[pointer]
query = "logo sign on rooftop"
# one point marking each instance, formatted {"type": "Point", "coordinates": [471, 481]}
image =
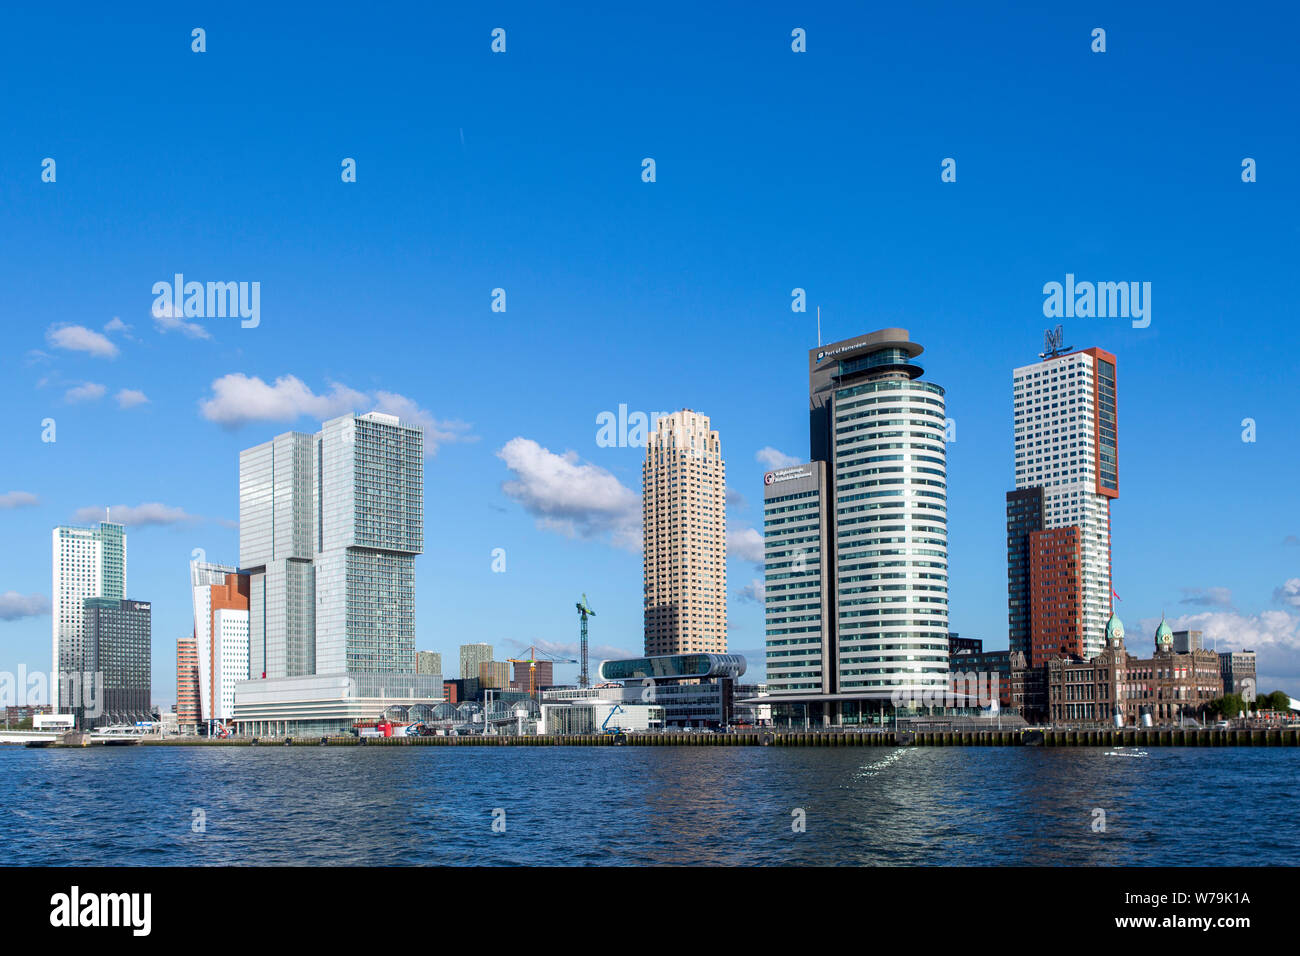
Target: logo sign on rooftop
{"type": "Point", "coordinates": [787, 474]}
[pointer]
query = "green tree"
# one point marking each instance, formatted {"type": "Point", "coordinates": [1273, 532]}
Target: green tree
{"type": "Point", "coordinates": [1278, 700]}
{"type": "Point", "coordinates": [1229, 705]}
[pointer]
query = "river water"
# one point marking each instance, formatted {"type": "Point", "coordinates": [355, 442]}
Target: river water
{"type": "Point", "coordinates": [647, 806]}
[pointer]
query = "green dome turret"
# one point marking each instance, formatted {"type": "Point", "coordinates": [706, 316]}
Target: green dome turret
{"type": "Point", "coordinates": [1114, 631]}
{"type": "Point", "coordinates": [1164, 633]}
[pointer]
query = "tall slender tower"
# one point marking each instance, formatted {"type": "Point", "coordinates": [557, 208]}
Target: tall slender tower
{"type": "Point", "coordinates": [684, 492]}
{"type": "Point", "coordinates": [87, 563]}
{"type": "Point", "coordinates": [856, 541]}
{"type": "Point", "coordinates": [220, 596]}
{"type": "Point", "coordinates": [1058, 518]}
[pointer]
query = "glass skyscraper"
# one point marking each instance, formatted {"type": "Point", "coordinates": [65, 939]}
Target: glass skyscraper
{"type": "Point", "coordinates": [856, 541]}
{"type": "Point", "coordinates": [329, 527]}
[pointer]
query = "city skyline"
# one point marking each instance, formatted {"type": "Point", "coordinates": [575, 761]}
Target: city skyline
{"type": "Point", "coordinates": [379, 293]}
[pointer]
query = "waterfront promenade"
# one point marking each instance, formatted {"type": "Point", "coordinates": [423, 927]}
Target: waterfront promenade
{"type": "Point", "coordinates": [1140, 737]}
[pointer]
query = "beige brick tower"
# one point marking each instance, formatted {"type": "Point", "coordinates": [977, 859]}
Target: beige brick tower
{"type": "Point", "coordinates": [684, 484]}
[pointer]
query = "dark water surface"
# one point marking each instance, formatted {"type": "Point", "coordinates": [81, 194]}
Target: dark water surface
{"type": "Point", "coordinates": [642, 805]}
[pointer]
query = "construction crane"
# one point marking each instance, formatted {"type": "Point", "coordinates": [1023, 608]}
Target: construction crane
{"type": "Point", "coordinates": [584, 612]}
{"type": "Point", "coordinates": [531, 660]}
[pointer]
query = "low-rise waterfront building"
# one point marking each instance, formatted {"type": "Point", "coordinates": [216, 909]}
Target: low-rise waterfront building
{"type": "Point", "coordinates": [327, 704]}
{"type": "Point", "coordinates": [595, 715]}
{"type": "Point", "coordinates": [989, 670]}
{"type": "Point", "coordinates": [1118, 688]}
{"type": "Point", "coordinates": [693, 690]}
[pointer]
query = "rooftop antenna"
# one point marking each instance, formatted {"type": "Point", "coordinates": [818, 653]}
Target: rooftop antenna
{"type": "Point", "coordinates": [819, 326]}
{"type": "Point", "coordinates": [1052, 343]}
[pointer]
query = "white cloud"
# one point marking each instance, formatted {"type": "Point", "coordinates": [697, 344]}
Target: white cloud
{"type": "Point", "coordinates": [735, 499]}
{"type": "Point", "coordinates": [88, 392]}
{"type": "Point", "coordinates": [78, 338]}
{"type": "Point", "coordinates": [745, 543]}
{"type": "Point", "coordinates": [238, 399]}
{"type": "Point", "coordinates": [130, 397]}
{"type": "Point", "coordinates": [753, 592]}
{"type": "Point", "coordinates": [14, 605]}
{"type": "Point", "coordinates": [436, 432]}
{"type": "Point", "coordinates": [773, 458]}
{"type": "Point", "coordinates": [1207, 597]}
{"type": "Point", "coordinates": [116, 325]}
{"type": "Point", "coordinates": [1288, 593]}
{"type": "Point", "coordinates": [165, 321]}
{"type": "Point", "coordinates": [135, 516]}
{"type": "Point", "coordinates": [17, 499]}
{"type": "Point", "coordinates": [576, 499]}
{"type": "Point", "coordinates": [1273, 635]}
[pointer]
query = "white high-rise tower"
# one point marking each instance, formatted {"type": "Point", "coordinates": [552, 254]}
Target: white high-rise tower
{"type": "Point", "coordinates": [88, 563]}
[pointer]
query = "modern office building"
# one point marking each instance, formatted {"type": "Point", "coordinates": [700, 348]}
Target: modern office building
{"type": "Point", "coordinates": [684, 530]}
{"type": "Point", "coordinates": [428, 662]}
{"type": "Point", "coordinates": [977, 678]}
{"type": "Point", "coordinates": [856, 541]}
{"type": "Point", "coordinates": [1237, 670]}
{"type": "Point", "coordinates": [462, 689]}
{"type": "Point", "coordinates": [87, 563]}
{"type": "Point", "coordinates": [471, 656]}
{"type": "Point", "coordinates": [1024, 517]}
{"type": "Point", "coordinates": [494, 675]}
{"type": "Point", "coordinates": [221, 634]}
{"type": "Point", "coordinates": [187, 685]}
{"type": "Point", "coordinates": [798, 587]}
{"type": "Point", "coordinates": [541, 673]}
{"type": "Point", "coordinates": [1058, 518]}
{"type": "Point", "coordinates": [1187, 641]}
{"type": "Point", "coordinates": [118, 646]}
{"type": "Point", "coordinates": [330, 525]}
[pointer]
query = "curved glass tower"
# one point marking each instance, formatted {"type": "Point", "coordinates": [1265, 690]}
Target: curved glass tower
{"type": "Point", "coordinates": [881, 430]}
{"type": "Point", "coordinates": [875, 632]}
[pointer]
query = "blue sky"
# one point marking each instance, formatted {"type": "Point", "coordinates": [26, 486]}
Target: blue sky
{"type": "Point", "coordinates": [522, 171]}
